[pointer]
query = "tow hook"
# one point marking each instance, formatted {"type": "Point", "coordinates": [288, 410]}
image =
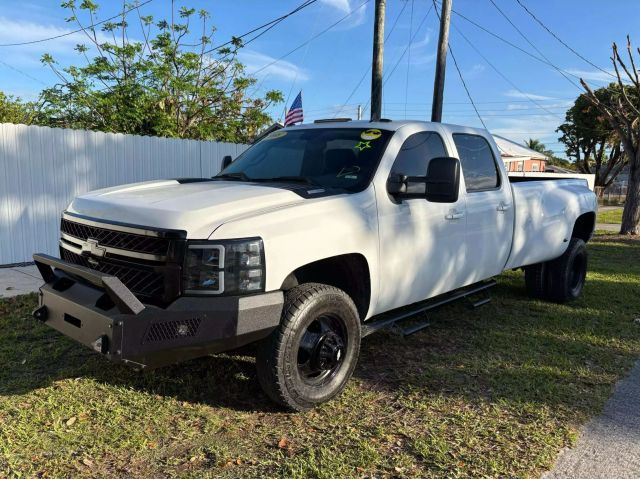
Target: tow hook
{"type": "Point", "coordinates": [41, 314]}
{"type": "Point", "coordinates": [101, 345]}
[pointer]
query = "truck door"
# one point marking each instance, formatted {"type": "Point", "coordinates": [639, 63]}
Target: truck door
{"type": "Point", "coordinates": [422, 247]}
{"type": "Point", "coordinates": [489, 208]}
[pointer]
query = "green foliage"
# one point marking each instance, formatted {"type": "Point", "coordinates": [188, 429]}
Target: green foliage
{"type": "Point", "coordinates": [590, 140]}
{"type": "Point", "coordinates": [14, 110]}
{"type": "Point", "coordinates": [162, 85]}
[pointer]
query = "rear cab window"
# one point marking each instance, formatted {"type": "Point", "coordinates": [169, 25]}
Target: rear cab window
{"type": "Point", "coordinates": [478, 162]}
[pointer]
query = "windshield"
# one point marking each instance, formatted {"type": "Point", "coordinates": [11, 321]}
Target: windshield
{"type": "Point", "coordinates": [343, 158]}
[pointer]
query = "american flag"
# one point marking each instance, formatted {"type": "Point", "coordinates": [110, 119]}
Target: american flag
{"type": "Point", "coordinates": [294, 115]}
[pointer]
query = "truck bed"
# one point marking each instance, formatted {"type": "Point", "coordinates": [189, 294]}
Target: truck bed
{"type": "Point", "coordinates": [523, 176]}
{"type": "Point", "coordinates": [545, 212]}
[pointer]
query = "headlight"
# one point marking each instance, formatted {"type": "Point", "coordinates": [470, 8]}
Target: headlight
{"type": "Point", "coordinates": [229, 267]}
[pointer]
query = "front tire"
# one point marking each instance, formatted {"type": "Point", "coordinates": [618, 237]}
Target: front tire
{"type": "Point", "coordinates": [310, 357]}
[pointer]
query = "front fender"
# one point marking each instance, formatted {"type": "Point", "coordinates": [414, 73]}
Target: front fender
{"type": "Point", "coordinates": [296, 235]}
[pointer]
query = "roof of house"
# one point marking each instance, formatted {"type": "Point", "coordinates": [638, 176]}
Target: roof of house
{"type": "Point", "coordinates": [512, 151]}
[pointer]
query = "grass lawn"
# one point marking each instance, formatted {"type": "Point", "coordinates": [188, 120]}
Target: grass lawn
{"type": "Point", "coordinates": [495, 392]}
{"type": "Point", "coordinates": [611, 216]}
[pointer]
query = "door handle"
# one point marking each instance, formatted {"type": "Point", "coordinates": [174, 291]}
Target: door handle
{"type": "Point", "coordinates": [453, 215]}
{"type": "Point", "coordinates": [503, 206]}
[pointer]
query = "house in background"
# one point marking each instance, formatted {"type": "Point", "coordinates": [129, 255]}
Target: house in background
{"type": "Point", "coordinates": [518, 157]}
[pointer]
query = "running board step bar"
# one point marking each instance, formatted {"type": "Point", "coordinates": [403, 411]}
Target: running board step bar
{"type": "Point", "coordinates": [389, 319]}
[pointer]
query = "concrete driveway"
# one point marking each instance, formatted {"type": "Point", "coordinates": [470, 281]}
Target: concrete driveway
{"type": "Point", "coordinates": [19, 280]}
{"type": "Point", "coordinates": [609, 445]}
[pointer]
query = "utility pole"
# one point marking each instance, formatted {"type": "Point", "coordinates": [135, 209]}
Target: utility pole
{"type": "Point", "coordinates": [441, 62]}
{"type": "Point", "coordinates": [359, 112]}
{"type": "Point", "coordinates": [378, 57]}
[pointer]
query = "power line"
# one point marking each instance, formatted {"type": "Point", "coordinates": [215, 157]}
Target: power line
{"type": "Point", "coordinates": [295, 79]}
{"type": "Point", "coordinates": [393, 27]}
{"type": "Point", "coordinates": [311, 39]}
{"type": "Point", "coordinates": [424, 19]}
{"type": "Point", "coordinates": [22, 73]}
{"type": "Point", "coordinates": [532, 45]}
{"type": "Point", "coordinates": [511, 44]}
{"type": "Point", "coordinates": [406, 86]}
{"type": "Point", "coordinates": [562, 41]}
{"type": "Point", "coordinates": [384, 82]}
{"type": "Point", "coordinates": [464, 84]}
{"type": "Point", "coordinates": [485, 102]}
{"type": "Point", "coordinates": [502, 75]}
{"type": "Point", "coordinates": [269, 25]}
{"type": "Point", "coordinates": [484, 114]}
{"type": "Point", "coordinates": [78, 30]}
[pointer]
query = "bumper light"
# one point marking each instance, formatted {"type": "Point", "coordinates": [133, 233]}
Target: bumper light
{"type": "Point", "coordinates": [228, 267]}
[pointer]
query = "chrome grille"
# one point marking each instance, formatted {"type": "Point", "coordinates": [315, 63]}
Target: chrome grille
{"type": "Point", "coordinates": [147, 261]}
{"type": "Point", "coordinates": [116, 239]}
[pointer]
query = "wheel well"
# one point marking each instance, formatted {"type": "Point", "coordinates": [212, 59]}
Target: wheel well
{"type": "Point", "coordinates": [583, 227]}
{"type": "Point", "coordinates": [349, 272]}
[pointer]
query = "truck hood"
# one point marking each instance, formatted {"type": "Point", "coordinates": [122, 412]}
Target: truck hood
{"type": "Point", "coordinates": [196, 207]}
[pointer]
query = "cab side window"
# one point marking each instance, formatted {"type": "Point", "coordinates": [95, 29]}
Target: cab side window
{"type": "Point", "coordinates": [477, 161]}
{"type": "Point", "coordinates": [416, 153]}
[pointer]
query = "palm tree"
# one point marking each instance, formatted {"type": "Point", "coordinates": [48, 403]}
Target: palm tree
{"type": "Point", "coordinates": [536, 145]}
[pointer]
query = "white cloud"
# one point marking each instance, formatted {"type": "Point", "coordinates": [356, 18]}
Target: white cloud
{"type": "Point", "coordinates": [282, 69]}
{"type": "Point", "coordinates": [421, 51]}
{"type": "Point", "coordinates": [475, 70]}
{"type": "Point", "coordinates": [536, 106]}
{"type": "Point", "coordinates": [19, 31]}
{"type": "Point", "coordinates": [527, 96]}
{"type": "Point", "coordinates": [426, 41]}
{"type": "Point", "coordinates": [343, 7]}
{"type": "Point", "coordinates": [593, 75]}
{"type": "Point", "coordinates": [541, 127]}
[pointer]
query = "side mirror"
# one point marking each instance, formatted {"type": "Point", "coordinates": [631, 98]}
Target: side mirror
{"type": "Point", "coordinates": [443, 180]}
{"type": "Point", "coordinates": [441, 184]}
{"type": "Point", "coordinates": [226, 161]}
{"type": "Point", "coordinates": [397, 184]}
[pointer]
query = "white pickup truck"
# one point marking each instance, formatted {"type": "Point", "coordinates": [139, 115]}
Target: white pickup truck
{"type": "Point", "coordinates": [314, 237]}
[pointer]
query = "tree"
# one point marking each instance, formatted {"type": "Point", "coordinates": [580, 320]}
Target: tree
{"type": "Point", "coordinates": [165, 84]}
{"type": "Point", "coordinates": [14, 110]}
{"type": "Point", "coordinates": [622, 112]}
{"type": "Point", "coordinates": [552, 159]}
{"type": "Point", "coordinates": [591, 141]}
{"type": "Point", "coordinates": [535, 144]}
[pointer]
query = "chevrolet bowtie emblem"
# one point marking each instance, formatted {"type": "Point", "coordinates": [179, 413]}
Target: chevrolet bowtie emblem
{"type": "Point", "coordinates": [92, 248]}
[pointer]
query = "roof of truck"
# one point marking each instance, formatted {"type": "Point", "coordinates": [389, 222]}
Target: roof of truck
{"type": "Point", "coordinates": [382, 125]}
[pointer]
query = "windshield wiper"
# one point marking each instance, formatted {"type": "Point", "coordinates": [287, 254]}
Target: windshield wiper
{"type": "Point", "coordinates": [239, 176]}
{"type": "Point", "coordinates": [289, 179]}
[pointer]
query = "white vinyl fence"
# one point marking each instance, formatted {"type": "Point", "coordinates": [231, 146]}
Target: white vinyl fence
{"type": "Point", "coordinates": [43, 169]}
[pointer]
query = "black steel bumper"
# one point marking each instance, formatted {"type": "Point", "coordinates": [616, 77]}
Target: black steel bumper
{"type": "Point", "coordinates": [98, 311]}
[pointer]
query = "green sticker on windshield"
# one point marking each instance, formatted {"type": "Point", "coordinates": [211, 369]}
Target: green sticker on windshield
{"type": "Point", "coordinates": [363, 145]}
{"type": "Point", "coordinates": [276, 134]}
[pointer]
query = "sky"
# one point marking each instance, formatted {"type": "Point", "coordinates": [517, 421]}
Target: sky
{"type": "Point", "coordinates": [516, 95]}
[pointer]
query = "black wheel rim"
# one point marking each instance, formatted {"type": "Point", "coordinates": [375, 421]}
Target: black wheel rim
{"type": "Point", "coordinates": [322, 350]}
{"type": "Point", "coordinates": [578, 273]}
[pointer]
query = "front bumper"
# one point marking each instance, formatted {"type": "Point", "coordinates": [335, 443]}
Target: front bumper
{"type": "Point", "coordinates": [98, 311]}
